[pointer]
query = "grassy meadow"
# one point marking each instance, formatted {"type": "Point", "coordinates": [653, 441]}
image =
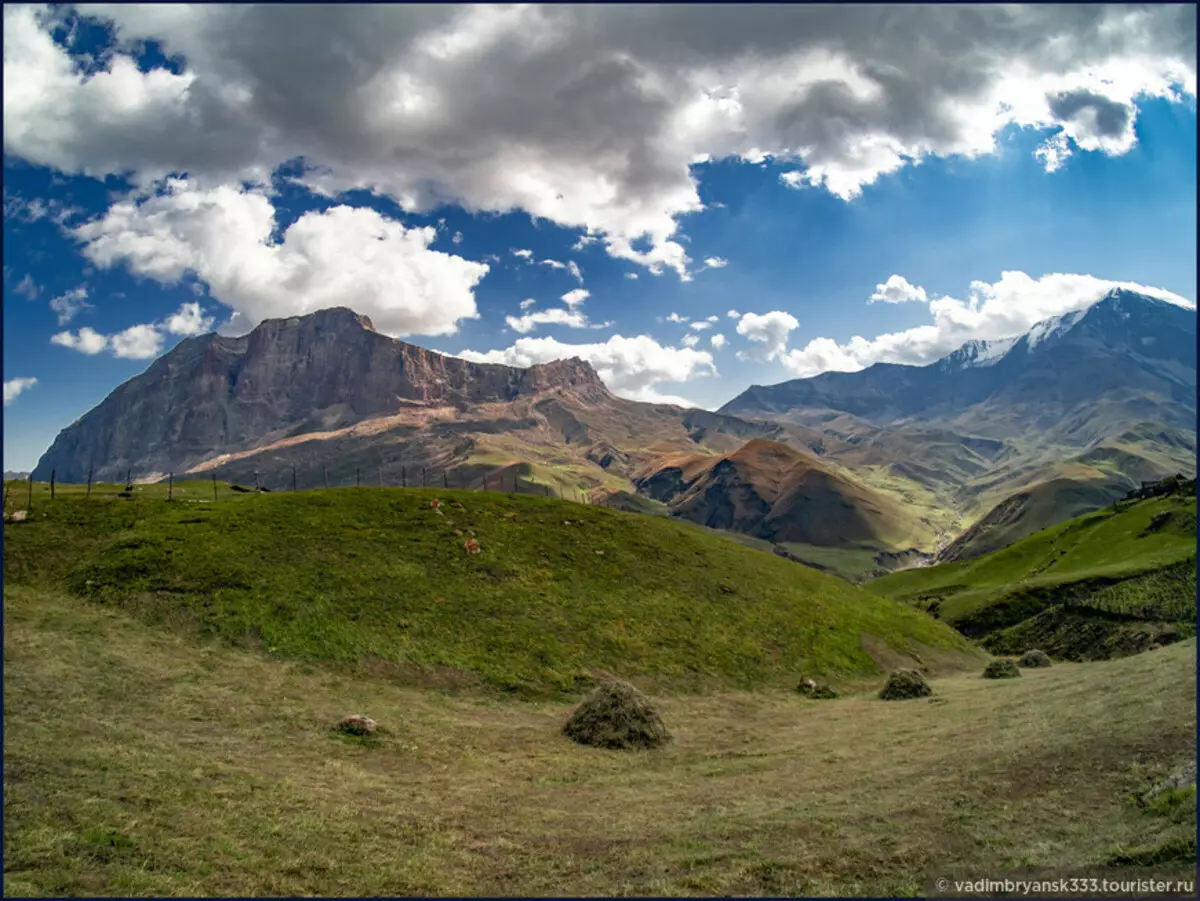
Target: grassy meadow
{"type": "Point", "coordinates": [173, 672]}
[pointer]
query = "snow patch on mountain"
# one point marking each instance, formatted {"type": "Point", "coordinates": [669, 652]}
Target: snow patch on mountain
{"type": "Point", "coordinates": [977, 354]}
{"type": "Point", "coordinates": [1052, 328]}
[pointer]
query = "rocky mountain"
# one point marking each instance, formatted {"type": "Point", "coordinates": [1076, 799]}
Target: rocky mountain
{"type": "Point", "coordinates": [328, 391]}
{"type": "Point", "coordinates": [1019, 433]}
{"type": "Point", "coordinates": [1129, 350]}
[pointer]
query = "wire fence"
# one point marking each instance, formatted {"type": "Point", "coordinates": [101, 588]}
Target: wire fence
{"type": "Point", "coordinates": [508, 480]}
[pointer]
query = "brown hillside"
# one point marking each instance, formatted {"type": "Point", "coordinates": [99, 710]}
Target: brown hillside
{"type": "Point", "coordinates": [776, 492]}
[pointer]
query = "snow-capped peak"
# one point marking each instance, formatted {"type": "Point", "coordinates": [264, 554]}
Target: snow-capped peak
{"type": "Point", "coordinates": [1050, 328]}
{"type": "Point", "coordinates": [977, 353]}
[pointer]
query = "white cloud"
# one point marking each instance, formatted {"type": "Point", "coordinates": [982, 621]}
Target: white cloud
{"type": "Point", "coordinates": [458, 238]}
{"type": "Point", "coordinates": [70, 304]}
{"type": "Point", "coordinates": [771, 330]}
{"type": "Point", "coordinates": [675, 317]}
{"type": "Point", "coordinates": [556, 316]}
{"type": "Point", "coordinates": [713, 318]}
{"type": "Point", "coordinates": [584, 241]}
{"type": "Point", "coordinates": [87, 341]}
{"type": "Point", "coordinates": [689, 340]}
{"type": "Point", "coordinates": [631, 275]}
{"type": "Point", "coordinates": [344, 256]}
{"type": "Point", "coordinates": [15, 387]}
{"type": "Point", "coordinates": [554, 264]}
{"type": "Point", "coordinates": [526, 255]}
{"type": "Point", "coordinates": [527, 303]}
{"type": "Point", "coordinates": [734, 314]}
{"type": "Point", "coordinates": [138, 342]}
{"type": "Point", "coordinates": [630, 367]}
{"type": "Point", "coordinates": [188, 320]}
{"type": "Point", "coordinates": [1055, 152]}
{"type": "Point", "coordinates": [718, 341]}
{"type": "Point", "coordinates": [716, 263]}
{"type": "Point", "coordinates": [897, 290]}
{"type": "Point", "coordinates": [574, 298]}
{"type": "Point", "coordinates": [573, 268]}
{"type": "Point", "coordinates": [700, 325]}
{"type": "Point", "coordinates": [1002, 309]}
{"type": "Point", "coordinates": [586, 116]}
{"type": "Point", "coordinates": [28, 288]}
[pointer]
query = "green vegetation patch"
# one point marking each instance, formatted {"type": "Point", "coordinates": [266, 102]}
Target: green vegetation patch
{"type": "Point", "coordinates": [555, 592]}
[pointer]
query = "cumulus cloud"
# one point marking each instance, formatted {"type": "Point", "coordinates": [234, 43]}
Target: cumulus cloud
{"type": "Point", "coordinates": [138, 342]}
{"type": "Point", "coordinates": [15, 387]}
{"type": "Point", "coordinates": [70, 304]}
{"type": "Point", "coordinates": [188, 320]}
{"type": "Point", "coordinates": [527, 303]}
{"type": "Point", "coordinates": [458, 238]}
{"type": "Point", "coordinates": [689, 340]}
{"type": "Point", "coordinates": [717, 341]}
{"type": "Point", "coordinates": [898, 290]}
{"type": "Point", "coordinates": [675, 317]}
{"type": "Point", "coordinates": [526, 255]}
{"type": "Point", "coordinates": [630, 367]}
{"type": "Point", "coordinates": [555, 316]}
{"type": "Point", "coordinates": [1001, 309]}
{"type": "Point", "coordinates": [587, 116]}
{"type": "Point", "coordinates": [716, 263]}
{"type": "Point", "coordinates": [770, 330]}
{"type": "Point", "coordinates": [631, 275]}
{"type": "Point", "coordinates": [734, 314]}
{"type": "Point", "coordinates": [86, 341]}
{"type": "Point", "coordinates": [574, 298]}
{"type": "Point", "coordinates": [344, 256]}
{"type": "Point", "coordinates": [28, 288]}
{"type": "Point", "coordinates": [700, 325]}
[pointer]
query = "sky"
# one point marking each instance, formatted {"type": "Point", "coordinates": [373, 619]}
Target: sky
{"type": "Point", "coordinates": [693, 198]}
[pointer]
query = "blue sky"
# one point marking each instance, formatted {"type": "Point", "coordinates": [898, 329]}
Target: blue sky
{"type": "Point", "coordinates": [95, 239]}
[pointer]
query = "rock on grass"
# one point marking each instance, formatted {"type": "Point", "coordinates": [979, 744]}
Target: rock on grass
{"type": "Point", "coordinates": [616, 715]}
{"type": "Point", "coordinates": [810, 688]}
{"type": "Point", "coordinates": [904, 684]}
{"type": "Point", "coordinates": [357, 724]}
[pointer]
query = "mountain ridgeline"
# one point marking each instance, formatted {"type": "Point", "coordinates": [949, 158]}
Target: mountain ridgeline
{"type": "Point", "coordinates": [894, 463]}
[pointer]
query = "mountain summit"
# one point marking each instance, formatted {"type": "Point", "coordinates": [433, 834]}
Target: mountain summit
{"type": "Point", "coordinates": [330, 369]}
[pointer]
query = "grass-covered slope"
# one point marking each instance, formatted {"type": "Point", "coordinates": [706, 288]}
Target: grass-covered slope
{"type": "Point", "coordinates": [1068, 562]}
{"type": "Point", "coordinates": [141, 764]}
{"type": "Point", "coordinates": [558, 591]}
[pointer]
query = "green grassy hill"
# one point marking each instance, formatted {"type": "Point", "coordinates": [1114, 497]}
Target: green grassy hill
{"type": "Point", "coordinates": [1126, 561]}
{"type": "Point", "coordinates": [381, 578]}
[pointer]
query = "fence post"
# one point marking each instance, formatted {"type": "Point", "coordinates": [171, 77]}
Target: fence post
{"type": "Point", "coordinates": [89, 488]}
{"type": "Point", "coordinates": [424, 478]}
{"type": "Point", "coordinates": [30, 504]}
{"type": "Point", "coordinates": [325, 471]}
{"type": "Point", "coordinates": [293, 478]}
{"type": "Point", "coordinates": [214, 480]}
{"type": "Point", "coordinates": [446, 480]}
{"type": "Point", "coordinates": [52, 484]}
{"type": "Point", "coordinates": [129, 478]}
{"type": "Point", "coordinates": [170, 485]}
{"type": "Point", "coordinates": [403, 477]}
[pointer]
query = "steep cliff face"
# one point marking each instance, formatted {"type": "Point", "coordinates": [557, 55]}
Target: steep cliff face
{"type": "Point", "coordinates": [214, 395]}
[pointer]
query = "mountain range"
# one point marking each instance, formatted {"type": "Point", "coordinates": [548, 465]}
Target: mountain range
{"type": "Point", "coordinates": [990, 443]}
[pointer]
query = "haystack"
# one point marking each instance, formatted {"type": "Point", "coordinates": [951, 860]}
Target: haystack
{"type": "Point", "coordinates": [1035, 658]}
{"type": "Point", "coordinates": [904, 684]}
{"type": "Point", "coordinates": [1004, 668]}
{"type": "Point", "coordinates": [617, 715]}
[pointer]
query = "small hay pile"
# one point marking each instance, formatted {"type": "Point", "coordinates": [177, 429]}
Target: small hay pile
{"type": "Point", "coordinates": [1004, 668]}
{"type": "Point", "coordinates": [904, 684]}
{"type": "Point", "coordinates": [616, 715]}
{"type": "Point", "coordinates": [1034, 658]}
